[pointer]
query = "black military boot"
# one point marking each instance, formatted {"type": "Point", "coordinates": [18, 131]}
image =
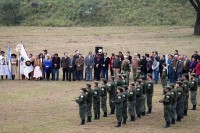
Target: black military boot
{"type": "Point", "coordinates": [82, 122]}
{"type": "Point", "coordinates": [143, 113]}
{"type": "Point", "coordinates": [124, 121]}
{"type": "Point", "coordinates": [105, 114]}
{"type": "Point", "coordinates": [95, 116]}
{"type": "Point", "coordinates": [132, 118]}
{"type": "Point", "coordinates": [112, 111]}
{"type": "Point", "coordinates": [178, 119]}
{"type": "Point", "coordinates": [98, 116]}
{"type": "Point", "coordinates": [139, 116]}
{"type": "Point", "coordinates": [185, 113]}
{"type": "Point", "coordinates": [167, 124]}
{"type": "Point", "coordinates": [173, 121]}
{"type": "Point", "coordinates": [194, 107]}
{"type": "Point", "coordinates": [89, 119]}
{"type": "Point", "coordinates": [118, 125]}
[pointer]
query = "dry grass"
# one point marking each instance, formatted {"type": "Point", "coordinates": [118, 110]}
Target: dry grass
{"type": "Point", "coordinates": [41, 106]}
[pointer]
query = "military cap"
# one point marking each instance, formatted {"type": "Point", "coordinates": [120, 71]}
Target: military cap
{"type": "Point", "coordinates": [125, 87]}
{"type": "Point", "coordinates": [89, 85]}
{"type": "Point", "coordinates": [179, 82]}
{"type": "Point", "coordinates": [84, 89]}
{"type": "Point", "coordinates": [96, 82]}
{"type": "Point", "coordinates": [172, 85]}
{"type": "Point", "coordinates": [168, 87]}
{"type": "Point", "coordinates": [120, 89]}
{"type": "Point", "coordinates": [132, 83]}
{"type": "Point", "coordinates": [193, 74]}
{"type": "Point", "coordinates": [180, 79]}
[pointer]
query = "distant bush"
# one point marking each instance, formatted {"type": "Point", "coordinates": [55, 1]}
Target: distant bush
{"type": "Point", "coordinates": [10, 12]}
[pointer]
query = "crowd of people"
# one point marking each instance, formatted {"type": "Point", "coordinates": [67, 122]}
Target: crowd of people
{"type": "Point", "coordinates": [97, 65]}
{"type": "Point", "coordinates": [179, 76]}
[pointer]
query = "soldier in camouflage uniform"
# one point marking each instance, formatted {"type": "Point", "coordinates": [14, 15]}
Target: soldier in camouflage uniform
{"type": "Point", "coordinates": [167, 106]}
{"type": "Point", "coordinates": [186, 93]}
{"type": "Point", "coordinates": [138, 98]}
{"type": "Point", "coordinates": [89, 102]}
{"type": "Point", "coordinates": [149, 92]}
{"type": "Point", "coordinates": [112, 94]}
{"type": "Point", "coordinates": [193, 90]}
{"type": "Point", "coordinates": [179, 106]}
{"type": "Point", "coordinates": [131, 100]}
{"type": "Point", "coordinates": [124, 109]}
{"type": "Point", "coordinates": [143, 101]}
{"type": "Point", "coordinates": [173, 103]}
{"type": "Point", "coordinates": [164, 76]}
{"type": "Point", "coordinates": [104, 90]}
{"type": "Point", "coordinates": [81, 100]}
{"type": "Point", "coordinates": [119, 81]}
{"type": "Point", "coordinates": [119, 105]}
{"type": "Point", "coordinates": [96, 101]}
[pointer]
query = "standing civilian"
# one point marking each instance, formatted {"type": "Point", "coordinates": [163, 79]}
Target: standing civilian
{"type": "Point", "coordinates": [56, 67]}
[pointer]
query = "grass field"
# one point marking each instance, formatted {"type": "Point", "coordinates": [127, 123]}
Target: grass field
{"type": "Point", "coordinates": [41, 106]}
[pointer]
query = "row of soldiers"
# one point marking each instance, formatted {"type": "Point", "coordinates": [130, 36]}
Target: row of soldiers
{"type": "Point", "coordinates": [123, 98]}
{"type": "Point", "coordinates": [176, 97]}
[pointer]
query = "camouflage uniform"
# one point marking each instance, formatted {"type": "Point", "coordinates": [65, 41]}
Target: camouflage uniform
{"type": "Point", "coordinates": [131, 96]}
{"type": "Point", "coordinates": [96, 102]}
{"type": "Point", "coordinates": [112, 94]}
{"type": "Point", "coordinates": [81, 100]}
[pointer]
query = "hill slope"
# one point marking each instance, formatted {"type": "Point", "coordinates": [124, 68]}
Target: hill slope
{"type": "Point", "coordinates": [95, 12]}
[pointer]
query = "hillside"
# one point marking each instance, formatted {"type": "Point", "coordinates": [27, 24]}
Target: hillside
{"type": "Point", "coordinates": [95, 12]}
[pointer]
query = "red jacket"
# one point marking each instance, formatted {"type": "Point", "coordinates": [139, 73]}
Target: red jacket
{"type": "Point", "coordinates": [197, 69]}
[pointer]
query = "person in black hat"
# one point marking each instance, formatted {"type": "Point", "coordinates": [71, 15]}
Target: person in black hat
{"type": "Point", "coordinates": [139, 99]}
{"type": "Point", "coordinates": [193, 90]}
{"type": "Point", "coordinates": [167, 105]}
{"type": "Point", "coordinates": [112, 94]}
{"type": "Point", "coordinates": [149, 92]}
{"type": "Point", "coordinates": [104, 90]}
{"type": "Point", "coordinates": [186, 92]}
{"type": "Point", "coordinates": [81, 100]}
{"type": "Point", "coordinates": [119, 105]}
{"type": "Point", "coordinates": [179, 106]}
{"type": "Point", "coordinates": [173, 93]}
{"type": "Point", "coordinates": [14, 62]}
{"type": "Point", "coordinates": [124, 109]}
{"type": "Point", "coordinates": [96, 101]}
{"type": "Point", "coordinates": [89, 102]}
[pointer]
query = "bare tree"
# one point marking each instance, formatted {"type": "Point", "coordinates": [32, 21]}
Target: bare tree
{"type": "Point", "coordinates": [196, 5]}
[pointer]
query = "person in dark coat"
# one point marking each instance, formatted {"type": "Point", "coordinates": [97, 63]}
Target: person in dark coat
{"type": "Point", "coordinates": [56, 67]}
{"type": "Point", "coordinates": [97, 67]}
{"type": "Point", "coordinates": [64, 65]}
{"type": "Point", "coordinates": [71, 66]}
{"type": "Point", "coordinates": [143, 65]}
{"type": "Point", "coordinates": [186, 64]}
{"type": "Point", "coordinates": [105, 66]}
